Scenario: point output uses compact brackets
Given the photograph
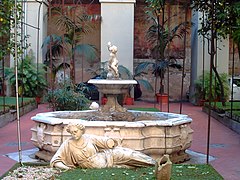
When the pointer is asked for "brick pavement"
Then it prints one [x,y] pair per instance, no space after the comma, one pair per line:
[224,143]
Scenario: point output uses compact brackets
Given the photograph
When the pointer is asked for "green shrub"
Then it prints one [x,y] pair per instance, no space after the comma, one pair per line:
[31,77]
[202,87]
[66,98]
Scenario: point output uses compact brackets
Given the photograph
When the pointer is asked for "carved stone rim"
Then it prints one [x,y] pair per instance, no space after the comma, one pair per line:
[110,81]
[173,119]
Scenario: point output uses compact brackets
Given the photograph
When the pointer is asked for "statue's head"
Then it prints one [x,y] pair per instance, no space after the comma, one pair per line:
[77,125]
[113,49]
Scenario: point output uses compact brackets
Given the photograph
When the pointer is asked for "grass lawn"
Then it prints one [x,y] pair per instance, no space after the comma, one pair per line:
[179,172]
[221,109]
[235,105]
[10,102]
[145,109]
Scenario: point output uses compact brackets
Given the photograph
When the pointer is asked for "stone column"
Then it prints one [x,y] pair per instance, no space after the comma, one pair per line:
[200,54]
[35,27]
[36,16]
[117,26]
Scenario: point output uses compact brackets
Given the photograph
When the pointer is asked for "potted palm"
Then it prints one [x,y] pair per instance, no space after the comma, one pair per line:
[70,42]
[160,35]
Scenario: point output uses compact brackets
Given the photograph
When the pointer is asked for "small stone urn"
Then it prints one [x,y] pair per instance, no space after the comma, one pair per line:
[164,168]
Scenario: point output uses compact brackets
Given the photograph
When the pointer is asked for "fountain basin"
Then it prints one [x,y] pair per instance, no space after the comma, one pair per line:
[111,88]
[153,133]
[116,86]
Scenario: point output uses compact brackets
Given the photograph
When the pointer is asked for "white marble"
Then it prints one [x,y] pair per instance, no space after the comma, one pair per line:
[110,81]
[147,135]
[172,119]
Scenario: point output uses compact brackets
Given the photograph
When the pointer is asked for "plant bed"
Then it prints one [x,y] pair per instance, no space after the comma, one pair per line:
[235,115]
[179,172]
[202,89]
[223,115]
[11,101]
[8,113]
[30,171]
[227,107]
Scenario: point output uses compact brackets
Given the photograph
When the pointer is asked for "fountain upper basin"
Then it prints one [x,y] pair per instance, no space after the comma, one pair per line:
[112,86]
[112,81]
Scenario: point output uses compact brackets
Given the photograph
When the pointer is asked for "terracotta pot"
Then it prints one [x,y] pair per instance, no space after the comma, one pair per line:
[38,100]
[201,102]
[104,100]
[162,98]
[129,101]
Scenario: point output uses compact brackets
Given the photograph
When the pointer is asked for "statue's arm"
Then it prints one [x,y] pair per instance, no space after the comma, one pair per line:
[61,165]
[61,157]
[110,143]
[104,142]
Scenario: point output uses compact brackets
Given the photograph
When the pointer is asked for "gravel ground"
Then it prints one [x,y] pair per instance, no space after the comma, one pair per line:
[33,173]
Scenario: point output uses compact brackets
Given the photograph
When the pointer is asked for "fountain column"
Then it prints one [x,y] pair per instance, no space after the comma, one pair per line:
[117,26]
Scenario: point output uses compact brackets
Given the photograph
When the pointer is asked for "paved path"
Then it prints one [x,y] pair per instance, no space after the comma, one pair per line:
[224,143]
[9,140]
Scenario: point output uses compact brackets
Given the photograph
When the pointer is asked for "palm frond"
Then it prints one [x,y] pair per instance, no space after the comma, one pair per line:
[145,84]
[56,52]
[62,66]
[53,38]
[64,22]
[88,51]
[142,67]
[125,71]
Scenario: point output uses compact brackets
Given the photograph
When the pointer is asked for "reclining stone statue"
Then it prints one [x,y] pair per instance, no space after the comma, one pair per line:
[91,151]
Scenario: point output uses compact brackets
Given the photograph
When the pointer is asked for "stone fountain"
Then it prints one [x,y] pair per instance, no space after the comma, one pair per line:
[153,133]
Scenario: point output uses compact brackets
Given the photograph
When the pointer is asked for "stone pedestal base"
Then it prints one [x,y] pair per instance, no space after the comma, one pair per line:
[112,105]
